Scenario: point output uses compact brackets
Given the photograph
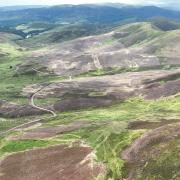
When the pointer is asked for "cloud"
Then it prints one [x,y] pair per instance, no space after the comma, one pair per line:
[172,3]
[145,2]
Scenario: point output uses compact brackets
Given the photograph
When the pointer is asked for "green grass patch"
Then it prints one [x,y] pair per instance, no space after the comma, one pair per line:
[10,49]
[11,86]
[7,123]
[139,34]
[109,138]
[22,145]
[15,146]
[119,70]
[132,109]
[108,141]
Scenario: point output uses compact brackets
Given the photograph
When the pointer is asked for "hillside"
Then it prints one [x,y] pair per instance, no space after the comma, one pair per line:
[89,97]
[132,46]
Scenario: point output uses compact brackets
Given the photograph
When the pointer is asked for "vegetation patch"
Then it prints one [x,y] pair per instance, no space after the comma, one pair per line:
[107,141]
[132,109]
[119,70]
[165,24]
[11,85]
[22,145]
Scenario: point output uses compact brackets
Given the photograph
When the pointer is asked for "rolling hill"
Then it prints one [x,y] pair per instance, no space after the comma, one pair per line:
[89,92]
[136,45]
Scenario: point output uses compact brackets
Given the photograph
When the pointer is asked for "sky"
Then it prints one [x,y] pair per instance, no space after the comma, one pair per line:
[171,3]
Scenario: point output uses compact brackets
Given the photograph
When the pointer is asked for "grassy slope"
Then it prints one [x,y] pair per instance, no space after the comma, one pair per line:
[143,35]
[165,167]
[108,140]
[146,35]
[59,33]
[10,85]
[118,70]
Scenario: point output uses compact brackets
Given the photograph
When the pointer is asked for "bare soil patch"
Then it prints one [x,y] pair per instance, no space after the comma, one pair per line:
[164,90]
[80,103]
[151,84]
[53,163]
[12,110]
[135,125]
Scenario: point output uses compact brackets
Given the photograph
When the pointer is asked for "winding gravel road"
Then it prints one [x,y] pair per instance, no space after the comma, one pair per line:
[96,61]
[31,102]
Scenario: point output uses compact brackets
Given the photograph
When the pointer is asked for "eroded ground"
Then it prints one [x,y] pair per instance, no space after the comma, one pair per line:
[58,162]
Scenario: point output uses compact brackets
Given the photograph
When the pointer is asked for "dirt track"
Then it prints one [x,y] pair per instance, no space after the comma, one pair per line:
[38,107]
[134,125]
[54,163]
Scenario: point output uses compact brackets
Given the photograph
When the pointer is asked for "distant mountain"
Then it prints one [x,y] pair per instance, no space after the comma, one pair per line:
[14,8]
[117,5]
[83,13]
